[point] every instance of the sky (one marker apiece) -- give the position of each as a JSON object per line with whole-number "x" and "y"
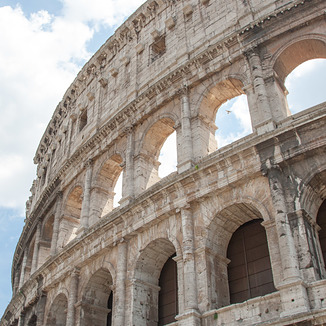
{"x": 43, "y": 45}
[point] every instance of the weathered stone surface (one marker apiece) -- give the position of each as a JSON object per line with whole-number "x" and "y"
{"x": 169, "y": 68}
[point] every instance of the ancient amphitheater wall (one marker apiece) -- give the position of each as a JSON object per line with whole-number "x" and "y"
{"x": 169, "y": 68}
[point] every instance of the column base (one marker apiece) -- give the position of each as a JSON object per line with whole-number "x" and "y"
{"x": 189, "y": 318}
{"x": 294, "y": 298}
{"x": 265, "y": 127}
{"x": 80, "y": 231}
{"x": 185, "y": 166}
{"x": 125, "y": 201}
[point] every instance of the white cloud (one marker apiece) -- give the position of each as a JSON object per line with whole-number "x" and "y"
{"x": 168, "y": 156}
{"x": 99, "y": 12}
{"x": 300, "y": 72}
{"x": 235, "y": 124}
{"x": 40, "y": 55}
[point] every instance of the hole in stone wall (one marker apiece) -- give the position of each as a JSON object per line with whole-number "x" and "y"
{"x": 83, "y": 120}
{"x": 233, "y": 121}
{"x": 158, "y": 48}
{"x": 306, "y": 85}
{"x": 168, "y": 156}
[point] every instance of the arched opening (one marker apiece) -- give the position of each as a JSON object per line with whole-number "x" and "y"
{"x": 305, "y": 85}
{"x": 249, "y": 271}
{"x": 29, "y": 261}
{"x": 233, "y": 121}
{"x": 168, "y": 156}
{"x": 150, "y": 270}
{"x": 71, "y": 217}
{"x": 58, "y": 311}
{"x": 286, "y": 63}
{"x": 97, "y": 301}
{"x": 118, "y": 191}
{"x": 321, "y": 221}
{"x": 147, "y": 161}
{"x": 107, "y": 188}
{"x": 224, "y": 116}
{"x": 168, "y": 295}
{"x": 110, "y": 305}
{"x": 45, "y": 241}
{"x": 219, "y": 233}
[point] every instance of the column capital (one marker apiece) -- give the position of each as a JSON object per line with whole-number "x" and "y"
{"x": 183, "y": 90}
{"x": 253, "y": 51}
{"x": 59, "y": 194}
{"x": 128, "y": 130}
{"x": 75, "y": 272}
{"x": 89, "y": 163}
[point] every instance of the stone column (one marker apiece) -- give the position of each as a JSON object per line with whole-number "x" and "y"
{"x": 277, "y": 93}
{"x": 22, "y": 272}
{"x": 306, "y": 239}
{"x": 21, "y": 319}
{"x": 72, "y": 300}
{"x": 87, "y": 195}
{"x": 40, "y": 308}
{"x": 186, "y": 160}
{"x": 56, "y": 223}
{"x": 36, "y": 248}
{"x": 16, "y": 282}
{"x": 260, "y": 102}
{"x": 119, "y": 296}
{"x": 292, "y": 285}
{"x": 128, "y": 189}
{"x": 190, "y": 315}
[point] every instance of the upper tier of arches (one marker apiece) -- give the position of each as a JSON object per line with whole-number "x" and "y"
{"x": 118, "y": 113}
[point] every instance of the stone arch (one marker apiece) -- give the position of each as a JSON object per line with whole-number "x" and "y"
{"x": 96, "y": 308}
{"x": 249, "y": 270}
{"x": 146, "y": 160}
{"x": 70, "y": 220}
{"x": 227, "y": 221}
{"x": 289, "y": 56}
{"x": 45, "y": 239}
{"x": 103, "y": 187}
{"x": 58, "y": 311}
{"x": 102, "y": 262}
{"x": 29, "y": 262}
{"x": 146, "y": 277}
{"x": 218, "y": 92}
{"x": 312, "y": 190}
{"x": 220, "y": 231}
{"x": 223, "y": 201}
{"x": 297, "y": 51}
{"x": 213, "y": 96}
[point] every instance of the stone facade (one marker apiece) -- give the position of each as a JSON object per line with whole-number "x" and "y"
{"x": 169, "y": 68}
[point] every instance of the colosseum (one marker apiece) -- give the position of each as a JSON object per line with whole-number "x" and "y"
{"x": 234, "y": 236}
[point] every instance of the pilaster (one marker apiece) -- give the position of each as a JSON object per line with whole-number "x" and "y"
{"x": 22, "y": 272}
{"x": 36, "y": 248}
{"x": 291, "y": 285}
{"x": 128, "y": 189}
{"x": 260, "y": 100}
{"x": 72, "y": 299}
{"x": 86, "y": 195}
{"x": 119, "y": 307}
{"x": 189, "y": 266}
{"x": 304, "y": 231}
{"x": 186, "y": 144}
{"x": 56, "y": 223}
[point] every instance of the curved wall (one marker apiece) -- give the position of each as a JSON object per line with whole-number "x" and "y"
{"x": 169, "y": 68}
